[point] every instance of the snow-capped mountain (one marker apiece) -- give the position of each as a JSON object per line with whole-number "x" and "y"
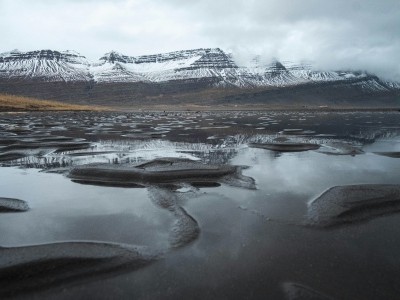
{"x": 47, "y": 65}
{"x": 210, "y": 65}
{"x": 178, "y": 65}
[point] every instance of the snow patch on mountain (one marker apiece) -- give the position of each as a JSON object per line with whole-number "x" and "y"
{"x": 178, "y": 65}
{"x": 212, "y": 64}
{"x": 47, "y": 65}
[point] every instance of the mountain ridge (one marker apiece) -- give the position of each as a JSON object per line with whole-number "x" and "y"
{"x": 167, "y": 75}
{"x": 69, "y": 65}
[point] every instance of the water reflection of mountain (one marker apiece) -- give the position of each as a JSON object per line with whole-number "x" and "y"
{"x": 370, "y": 135}
{"x": 45, "y": 141}
{"x": 127, "y": 152}
{"x": 135, "y": 151}
{"x": 216, "y": 156}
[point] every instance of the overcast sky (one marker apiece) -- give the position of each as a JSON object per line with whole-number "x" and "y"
{"x": 334, "y": 34}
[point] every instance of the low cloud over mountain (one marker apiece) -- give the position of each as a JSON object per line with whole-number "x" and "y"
{"x": 342, "y": 34}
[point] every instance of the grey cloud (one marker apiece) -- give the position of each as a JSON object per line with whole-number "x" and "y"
{"x": 340, "y": 34}
{"x": 354, "y": 34}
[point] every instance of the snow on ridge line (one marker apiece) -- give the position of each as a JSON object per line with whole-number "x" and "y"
{"x": 199, "y": 63}
{"x": 47, "y": 65}
{"x": 67, "y": 55}
{"x": 113, "y": 56}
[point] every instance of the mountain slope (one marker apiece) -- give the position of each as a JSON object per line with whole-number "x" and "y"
{"x": 209, "y": 73}
{"x": 214, "y": 64}
{"x": 179, "y": 65}
{"x": 46, "y": 65}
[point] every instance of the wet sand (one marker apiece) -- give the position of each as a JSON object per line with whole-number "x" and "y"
{"x": 198, "y": 205}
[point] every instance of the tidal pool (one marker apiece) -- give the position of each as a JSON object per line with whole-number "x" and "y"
{"x": 241, "y": 234}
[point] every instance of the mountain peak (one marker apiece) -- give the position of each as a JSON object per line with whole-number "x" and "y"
{"x": 48, "y": 65}
{"x": 8, "y": 53}
{"x": 68, "y": 55}
{"x": 114, "y": 56}
{"x": 210, "y": 65}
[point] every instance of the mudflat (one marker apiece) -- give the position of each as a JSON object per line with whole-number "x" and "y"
{"x": 222, "y": 204}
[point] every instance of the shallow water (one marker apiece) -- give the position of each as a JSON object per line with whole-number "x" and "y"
{"x": 234, "y": 242}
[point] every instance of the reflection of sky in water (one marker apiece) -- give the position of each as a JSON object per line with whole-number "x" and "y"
{"x": 285, "y": 183}
{"x": 63, "y": 210}
{"x": 299, "y": 177}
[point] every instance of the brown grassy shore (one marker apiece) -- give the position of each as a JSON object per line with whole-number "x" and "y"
{"x": 12, "y": 103}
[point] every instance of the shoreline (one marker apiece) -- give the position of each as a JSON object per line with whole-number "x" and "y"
{"x": 153, "y": 109}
